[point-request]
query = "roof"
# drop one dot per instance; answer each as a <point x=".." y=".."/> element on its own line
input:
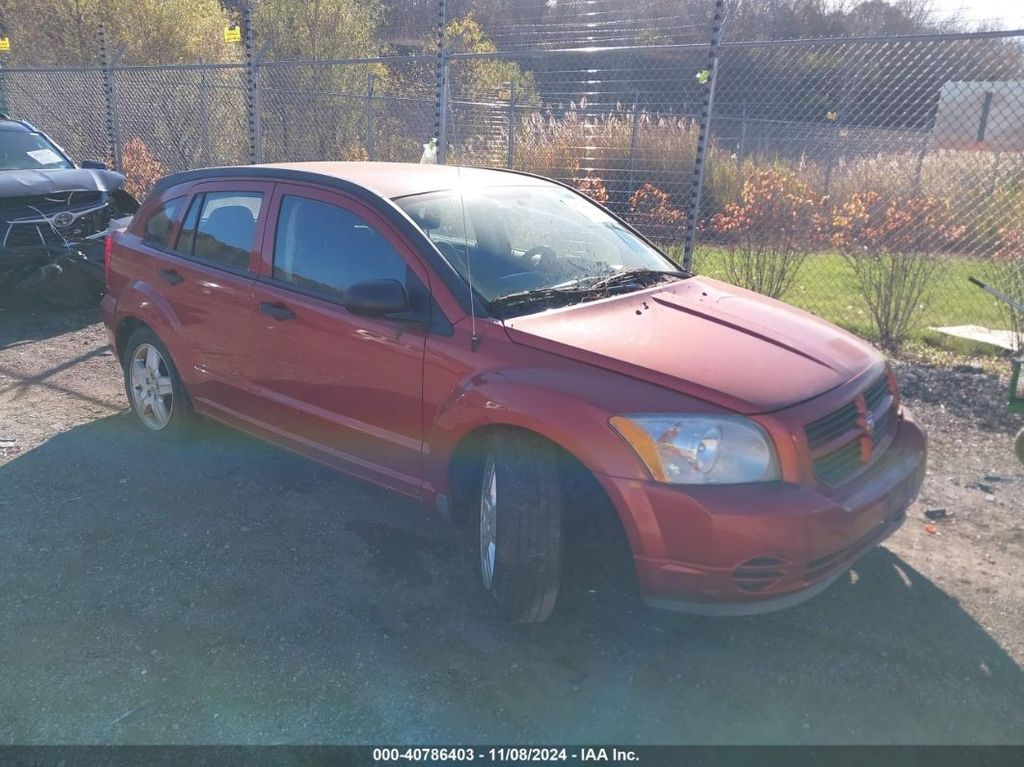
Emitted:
<point x="399" y="179"/>
<point x="16" y="126"/>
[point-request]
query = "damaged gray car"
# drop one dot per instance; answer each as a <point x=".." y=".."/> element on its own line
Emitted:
<point x="54" y="216"/>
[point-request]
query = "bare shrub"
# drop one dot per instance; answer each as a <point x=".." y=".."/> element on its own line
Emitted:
<point x="770" y="232"/>
<point x="890" y="244"/>
<point x="1008" y="276"/>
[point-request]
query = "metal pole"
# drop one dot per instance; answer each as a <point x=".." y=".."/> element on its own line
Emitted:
<point x="511" y="125"/>
<point x="632" y="142"/>
<point x="3" y="90"/>
<point x="371" y="149"/>
<point x="441" y="121"/>
<point x="252" y="88"/>
<point x="742" y="149"/>
<point x="107" y="63"/>
<point x="204" y="114"/>
<point x="697" y="183"/>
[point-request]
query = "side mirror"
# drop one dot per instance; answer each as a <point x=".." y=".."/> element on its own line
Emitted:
<point x="376" y="298"/>
<point x="94" y="165"/>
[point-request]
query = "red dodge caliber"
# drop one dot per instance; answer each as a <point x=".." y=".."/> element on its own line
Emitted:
<point x="491" y="342"/>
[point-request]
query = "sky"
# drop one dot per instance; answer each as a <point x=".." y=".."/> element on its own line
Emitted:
<point x="1001" y="14"/>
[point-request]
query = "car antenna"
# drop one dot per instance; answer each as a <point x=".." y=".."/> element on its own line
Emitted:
<point x="474" y="340"/>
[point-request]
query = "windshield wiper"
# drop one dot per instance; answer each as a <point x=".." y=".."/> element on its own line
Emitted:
<point x="550" y="297"/>
<point x="575" y="293"/>
<point x="639" y="276"/>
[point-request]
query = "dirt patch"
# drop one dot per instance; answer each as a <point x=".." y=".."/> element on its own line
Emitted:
<point x="228" y="592"/>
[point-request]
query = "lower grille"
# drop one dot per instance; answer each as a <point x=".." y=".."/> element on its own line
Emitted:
<point x="759" y="573"/>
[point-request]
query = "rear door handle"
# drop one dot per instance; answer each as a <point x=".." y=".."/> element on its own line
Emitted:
<point x="171" y="276"/>
<point x="277" y="311"/>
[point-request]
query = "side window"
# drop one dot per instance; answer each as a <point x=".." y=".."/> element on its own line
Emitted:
<point x="158" y="226"/>
<point x="220" y="228"/>
<point x="324" y="248"/>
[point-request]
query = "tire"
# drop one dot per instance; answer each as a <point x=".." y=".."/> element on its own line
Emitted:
<point x="1019" y="446"/>
<point x="179" y="422"/>
<point x="518" y="545"/>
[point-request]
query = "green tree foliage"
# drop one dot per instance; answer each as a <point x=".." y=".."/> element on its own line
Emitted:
<point x="483" y="78"/>
<point x="319" y="29"/>
<point x="317" y="111"/>
<point x="63" y="32"/>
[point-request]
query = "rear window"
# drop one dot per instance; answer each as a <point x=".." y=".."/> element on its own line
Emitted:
<point x="157" y="230"/>
<point x="220" y="228"/>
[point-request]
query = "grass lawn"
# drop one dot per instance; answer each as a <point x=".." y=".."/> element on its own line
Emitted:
<point x="827" y="287"/>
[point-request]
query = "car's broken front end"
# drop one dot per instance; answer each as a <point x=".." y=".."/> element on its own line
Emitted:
<point x="52" y="225"/>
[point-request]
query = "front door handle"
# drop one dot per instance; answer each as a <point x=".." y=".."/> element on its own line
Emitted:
<point x="277" y="311"/>
<point x="171" y="276"/>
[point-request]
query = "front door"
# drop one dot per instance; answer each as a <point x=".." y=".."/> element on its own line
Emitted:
<point x="345" y="385"/>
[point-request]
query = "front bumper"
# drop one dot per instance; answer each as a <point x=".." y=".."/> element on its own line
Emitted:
<point x="743" y="549"/>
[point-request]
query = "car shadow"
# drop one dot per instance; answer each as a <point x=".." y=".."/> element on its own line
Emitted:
<point x="224" y="591"/>
<point x="25" y="317"/>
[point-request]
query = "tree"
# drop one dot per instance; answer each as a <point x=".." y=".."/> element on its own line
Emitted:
<point x="63" y="32"/>
<point x="317" y="110"/>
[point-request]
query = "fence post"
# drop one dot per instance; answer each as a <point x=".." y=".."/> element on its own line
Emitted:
<point x="3" y="91"/>
<point x="697" y="184"/>
<point x="632" y="142"/>
<point x="511" y="125"/>
<point x="741" y="150"/>
<point x="252" y="88"/>
<point x="441" y="100"/>
<point x="371" y="149"/>
<point x="204" y="113"/>
<point x="108" y="62"/>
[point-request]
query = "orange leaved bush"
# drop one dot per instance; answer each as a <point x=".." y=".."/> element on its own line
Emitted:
<point x="141" y="168"/>
<point x="651" y="211"/>
<point x="594" y="188"/>
<point x="770" y="231"/>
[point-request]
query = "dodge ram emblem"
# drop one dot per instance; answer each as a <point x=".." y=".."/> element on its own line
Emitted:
<point x="63" y="219"/>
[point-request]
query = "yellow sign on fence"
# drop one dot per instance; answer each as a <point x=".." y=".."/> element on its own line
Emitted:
<point x="233" y="34"/>
<point x="5" y="43"/>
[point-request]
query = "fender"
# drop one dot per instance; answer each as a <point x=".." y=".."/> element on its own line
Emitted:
<point x="525" y="399"/>
<point x="144" y="302"/>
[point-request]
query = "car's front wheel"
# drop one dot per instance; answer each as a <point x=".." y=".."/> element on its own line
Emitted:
<point x="518" y="525"/>
<point x="154" y="388"/>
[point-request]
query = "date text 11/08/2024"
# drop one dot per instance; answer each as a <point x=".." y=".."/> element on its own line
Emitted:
<point x="504" y="754"/>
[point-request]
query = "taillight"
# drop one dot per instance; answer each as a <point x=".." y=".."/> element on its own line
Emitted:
<point x="108" y="245"/>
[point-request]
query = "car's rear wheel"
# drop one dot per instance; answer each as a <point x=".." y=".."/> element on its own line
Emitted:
<point x="1019" y="446"/>
<point x="155" y="391"/>
<point x="519" y="525"/>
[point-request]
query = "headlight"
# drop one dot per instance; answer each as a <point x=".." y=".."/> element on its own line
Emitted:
<point x="700" y="450"/>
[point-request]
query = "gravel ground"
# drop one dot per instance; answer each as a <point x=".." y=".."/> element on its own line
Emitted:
<point x="229" y="592"/>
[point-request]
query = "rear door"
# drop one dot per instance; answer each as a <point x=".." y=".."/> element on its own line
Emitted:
<point x="207" y="276"/>
<point x="348" y="387"/>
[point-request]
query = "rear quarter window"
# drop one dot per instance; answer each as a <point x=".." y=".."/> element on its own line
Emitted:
<point x="156" y="230"/>
<point x="220" y="228"/>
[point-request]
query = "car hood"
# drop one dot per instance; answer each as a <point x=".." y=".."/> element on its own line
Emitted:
<point x="707" y="339"/>
<point x="19" y="183"/>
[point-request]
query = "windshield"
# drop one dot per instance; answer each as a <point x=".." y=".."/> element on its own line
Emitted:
<point x="531" y="239"/>
<point x="29" y="151"/>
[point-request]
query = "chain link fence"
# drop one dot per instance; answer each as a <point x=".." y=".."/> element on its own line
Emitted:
<point x="864" y="179"/>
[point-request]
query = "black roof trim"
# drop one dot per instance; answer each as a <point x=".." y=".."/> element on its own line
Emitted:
<point x="454" y="281"/>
